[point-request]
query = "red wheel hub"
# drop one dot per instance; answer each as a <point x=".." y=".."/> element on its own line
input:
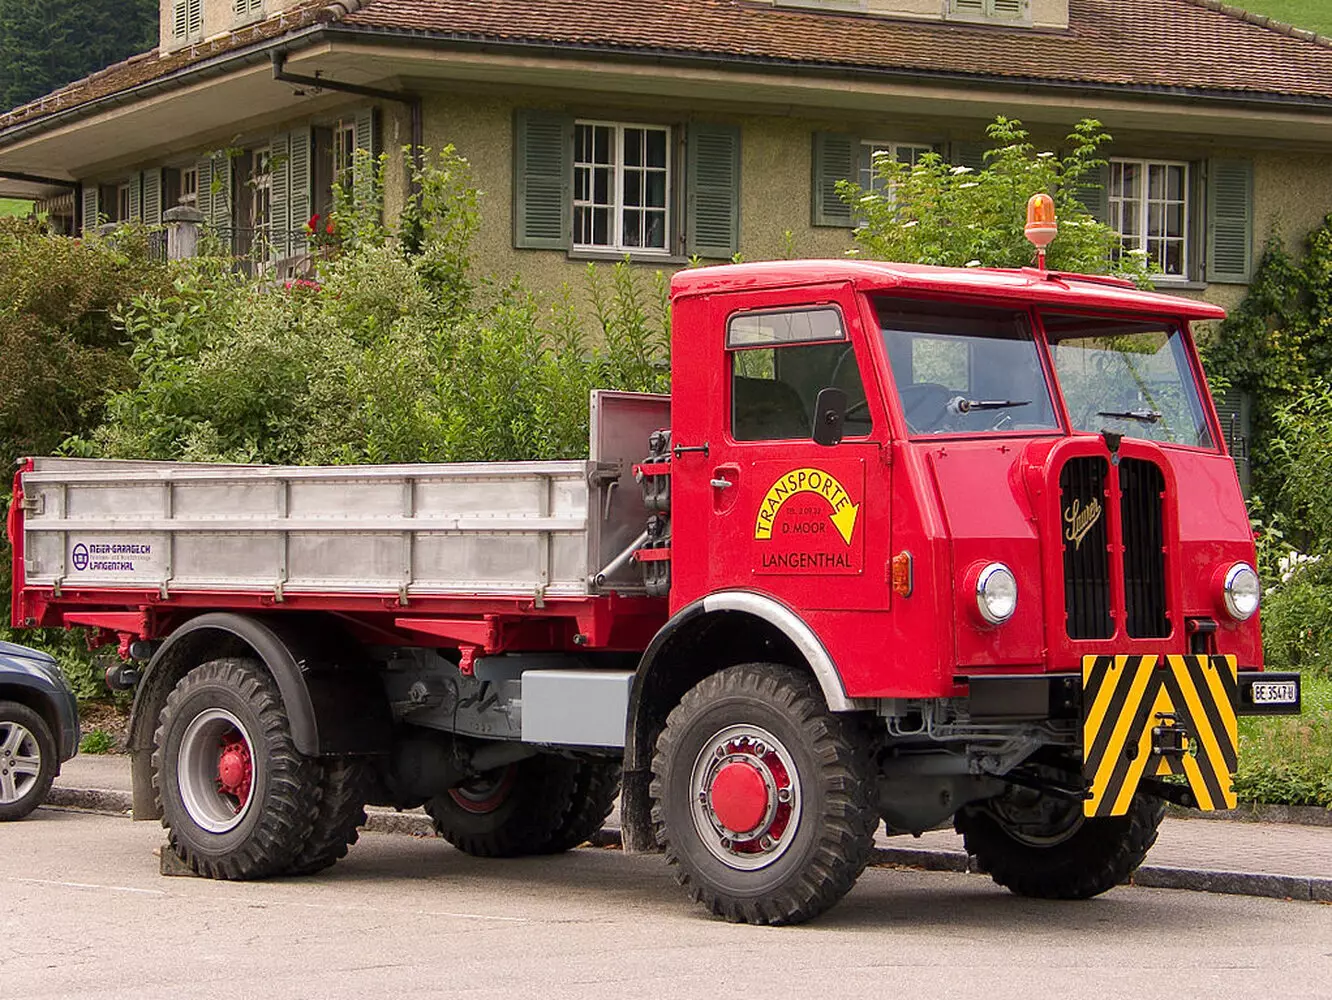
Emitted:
<point x="739" y="796"/>
<point x="235" y="771"/>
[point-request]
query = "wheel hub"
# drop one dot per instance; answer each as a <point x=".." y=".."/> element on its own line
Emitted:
<point x="746" y="797"/>
<point x="20" y="761"/>
<point x="215" y="770"/>
<point x="739" y="796"/>
<point x="235" y="771"/>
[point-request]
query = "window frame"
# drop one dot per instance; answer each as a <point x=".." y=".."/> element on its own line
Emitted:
<point x="344" y="166"/>
<point x="1186" y="239"/>
<point x="189" y="186"/>
<point x="618" y="166"/>
<point x="869" y="148"/>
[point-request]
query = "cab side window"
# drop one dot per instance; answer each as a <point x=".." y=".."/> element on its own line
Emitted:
<point x="779" y="362"/>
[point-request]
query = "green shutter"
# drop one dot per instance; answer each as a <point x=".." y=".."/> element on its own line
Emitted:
<point x="91" y="208"/>
<point x="712" y="190"/>
<point x="968" y="6"/>
<point x="193" y="18"/>
<point x="1094" y="193"/>
<point x="1234" y="409"/>
<point x="179" y="18"/>
<point x="300" y="187"/>
<point x="135" y="198"/>
<point x="215" y="200"/>
<point x="367" y="131"/>
<point x="152" y="197"/>
<point x="1006" y="9"/>
<point x="1229" y="220"/>
<point x="542" y="180"/>
<point x="836" y="157"/>
<point x="279" y="163"/>
<point x="967" y="154"/>
<point x="203" y="199"/>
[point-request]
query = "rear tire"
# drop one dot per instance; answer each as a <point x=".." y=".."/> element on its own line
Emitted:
<point x="754" y="749"/>
<point x="344" y="791"/>
<point x="239" y="801"/>
<point x="1075" y="858"/>
<point x="596" y="786"/>
<point x="28" y="760"/>
<point x="509" y="812"/>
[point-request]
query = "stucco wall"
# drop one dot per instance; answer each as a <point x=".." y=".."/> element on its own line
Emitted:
<point x="1292" y="190"/>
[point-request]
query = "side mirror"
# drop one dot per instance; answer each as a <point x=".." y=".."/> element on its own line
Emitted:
<point x="829" y="416"/>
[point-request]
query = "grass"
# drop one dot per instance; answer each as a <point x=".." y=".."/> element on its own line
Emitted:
<point x="1288" y="759"/>
<point x="1315" y="15"/>
<point x="10" y="206"/>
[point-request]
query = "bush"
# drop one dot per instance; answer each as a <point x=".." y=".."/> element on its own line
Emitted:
<point x="1288" y="760"/>
<point x="398" y="353"/>
<point x="935" y="213"/>
<point x="1297" y="619"/>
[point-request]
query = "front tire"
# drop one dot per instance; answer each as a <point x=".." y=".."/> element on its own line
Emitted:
<point x="762" y="798"/>
<point x="238" y="799"/>
<point x="28" y="760"/>
<point x="1047" y="850"/>
<point x="596" y="786"/>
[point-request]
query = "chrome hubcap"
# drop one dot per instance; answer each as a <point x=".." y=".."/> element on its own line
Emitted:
<point x="20" y="761"/>
<point x="745" y="797"/>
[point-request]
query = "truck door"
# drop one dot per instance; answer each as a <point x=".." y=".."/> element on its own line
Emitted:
<point x="766" y="508"/>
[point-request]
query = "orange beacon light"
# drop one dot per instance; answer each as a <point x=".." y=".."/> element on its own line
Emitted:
<point x="1042" y="227"/>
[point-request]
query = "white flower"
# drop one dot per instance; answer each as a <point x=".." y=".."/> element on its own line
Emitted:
<point x="961" y="170"/>
<point x="1044" y="156"/>
<point x="972" y="263"/>
<point x="908" y="225"/>
<point x="968" y="184"/>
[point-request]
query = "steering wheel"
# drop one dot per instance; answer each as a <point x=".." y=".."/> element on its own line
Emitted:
<point x="925" y="406"/>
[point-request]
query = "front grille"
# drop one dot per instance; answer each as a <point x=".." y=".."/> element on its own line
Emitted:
<point x="1086" y="548"/>
<point x="1141" y="499"/>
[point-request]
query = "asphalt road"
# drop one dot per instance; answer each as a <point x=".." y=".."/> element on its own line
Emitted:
<point x="86" y="914"/>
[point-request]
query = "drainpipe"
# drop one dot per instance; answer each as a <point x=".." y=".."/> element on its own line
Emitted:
<point x="412" y="101"/>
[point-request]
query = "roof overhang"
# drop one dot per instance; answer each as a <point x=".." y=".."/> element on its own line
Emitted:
<point x="216" y="101"/>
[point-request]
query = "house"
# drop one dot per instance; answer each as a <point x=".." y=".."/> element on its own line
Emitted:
<point x="665" y="129"/>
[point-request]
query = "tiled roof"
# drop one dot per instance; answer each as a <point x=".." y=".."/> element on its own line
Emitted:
<point x="1196" y="46"/>
<point x="1186" y="44"/>
<point x="155" y="65"/>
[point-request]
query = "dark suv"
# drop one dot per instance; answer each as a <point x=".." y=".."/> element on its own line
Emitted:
<point x="39" y="727"/>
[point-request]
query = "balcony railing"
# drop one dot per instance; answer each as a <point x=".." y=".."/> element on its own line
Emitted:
<point x="282" y="253"/>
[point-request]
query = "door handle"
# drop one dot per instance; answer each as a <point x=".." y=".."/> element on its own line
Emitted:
<point x="722" y="484"/>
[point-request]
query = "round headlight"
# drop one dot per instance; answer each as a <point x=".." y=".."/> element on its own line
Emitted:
<point x="996" y="593"/>
<point x="1241" y="591"/>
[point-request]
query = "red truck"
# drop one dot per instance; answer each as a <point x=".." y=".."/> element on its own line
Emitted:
<point x="905" y="545"/>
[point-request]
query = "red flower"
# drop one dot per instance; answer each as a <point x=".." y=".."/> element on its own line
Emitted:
<point x="312" y="224"/>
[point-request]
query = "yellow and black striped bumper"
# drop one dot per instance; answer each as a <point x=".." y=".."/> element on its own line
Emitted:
<point x="1150" y="716"/>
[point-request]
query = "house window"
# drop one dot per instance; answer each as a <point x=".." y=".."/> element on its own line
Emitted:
<point x="344" y="154"/>
<point x="189" y="186"/>
<point x="245" y="10"/>
<point x="1148" y="202"/>
<point x="261" y="206"/>
<point x="871" y="151"/>
<point x="622" y="177"/>
<point x="122" y="203"/>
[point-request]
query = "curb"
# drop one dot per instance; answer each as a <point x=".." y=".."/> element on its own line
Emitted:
<point x="1297" y="887"/>
<point x="1255" y="812"/>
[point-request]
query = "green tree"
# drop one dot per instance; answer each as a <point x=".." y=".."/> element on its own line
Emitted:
<point x="45" y="44"/>
<point x="933" y="212"/>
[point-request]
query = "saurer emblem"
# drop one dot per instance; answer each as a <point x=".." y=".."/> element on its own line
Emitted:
<point x="1081" y="520"/>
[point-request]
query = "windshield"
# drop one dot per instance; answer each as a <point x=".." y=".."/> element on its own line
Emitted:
<point x="963" y="369"/>
<point x="1129" y="377"/>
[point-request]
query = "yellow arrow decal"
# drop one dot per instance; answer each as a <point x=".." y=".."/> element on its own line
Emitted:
<point x="816" y="481"/>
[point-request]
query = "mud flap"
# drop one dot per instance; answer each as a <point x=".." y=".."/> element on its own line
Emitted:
<point x="1150" y="716"/>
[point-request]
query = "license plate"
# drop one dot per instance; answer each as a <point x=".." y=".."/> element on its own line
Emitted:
<point x="1275" y="693"/>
